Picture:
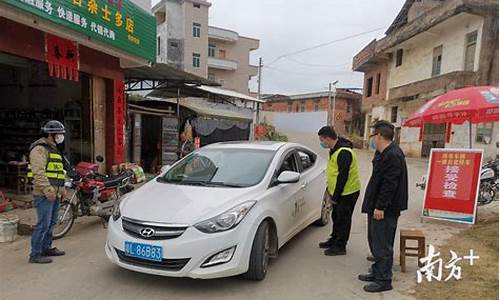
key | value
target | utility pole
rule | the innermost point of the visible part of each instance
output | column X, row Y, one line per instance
column 332, row 89
column 259, row 84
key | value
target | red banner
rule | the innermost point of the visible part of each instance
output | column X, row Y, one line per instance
column 452, row 184
column 62, row 57
column 119, row 118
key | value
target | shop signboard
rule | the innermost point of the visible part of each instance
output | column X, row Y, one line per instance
column 119, row 118
column 119, row 23
column 453, row 184
column 170, row 140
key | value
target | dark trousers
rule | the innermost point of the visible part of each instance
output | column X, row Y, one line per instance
column 46, row 211
column 381, row 236
column 342, row 219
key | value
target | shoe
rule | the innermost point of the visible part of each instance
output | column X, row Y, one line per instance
column 39, row 260
column 333, row 251
column 53, row 252
column 370, row 258
column 377, row 288
column 366, row 277
column 326, row 244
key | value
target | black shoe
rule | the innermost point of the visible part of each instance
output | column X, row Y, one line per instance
column 370, row 258
column 366, row 277
column 53, row 252
column 39, row 260
column 377, row 288
column 327, row 244
column 334, row 251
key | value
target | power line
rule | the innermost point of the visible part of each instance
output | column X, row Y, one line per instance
column 325, row 44
column 317, row 65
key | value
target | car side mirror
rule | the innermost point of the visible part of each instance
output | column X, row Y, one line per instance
column 164, row 169
column 288, row 177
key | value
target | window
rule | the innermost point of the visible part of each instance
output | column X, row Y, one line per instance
column 174, row 44
column 211, row 50
column 470, row 51
column 196, row 60
column 437, row 57
column 348, row 108
column 196, row 5
column 158, row 46
column 222, row 53
column 369, row 86
column 377, row 89
column 399, row 57
column 288, row 164
column 394, row 114
column 484, row 132
column 196, row 29
column 211, row 76
column 307, row 160
column 290, row 106
column 302, row 106
column 316, row 105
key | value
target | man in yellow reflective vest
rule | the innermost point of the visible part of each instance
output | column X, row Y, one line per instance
column 343, row 184
column 47, row 172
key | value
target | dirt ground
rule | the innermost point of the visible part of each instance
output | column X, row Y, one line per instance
column 300, row 272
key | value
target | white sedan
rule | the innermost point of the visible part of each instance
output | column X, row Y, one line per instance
column 223, row 210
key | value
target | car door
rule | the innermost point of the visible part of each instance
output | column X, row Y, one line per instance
column 314, row 185
column 287, row 197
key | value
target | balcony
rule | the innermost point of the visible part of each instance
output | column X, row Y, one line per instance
column 222, row 64
column 432, row 87
column 223, row 35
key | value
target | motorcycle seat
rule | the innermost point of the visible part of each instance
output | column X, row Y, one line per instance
column 114, row 181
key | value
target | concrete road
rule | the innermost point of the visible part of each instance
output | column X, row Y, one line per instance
column 300, row 272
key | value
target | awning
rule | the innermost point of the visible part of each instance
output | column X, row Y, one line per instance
column 227, row 93
column 205, row 109
column 149, row 78
column 201, row 91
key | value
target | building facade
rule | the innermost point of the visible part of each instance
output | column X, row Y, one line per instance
column 430, row 48
column 66, row 60
column 185, row 40
column 346, row 114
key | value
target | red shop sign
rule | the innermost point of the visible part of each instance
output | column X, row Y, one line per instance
column 62, row 57
column 119, row 121
column 453, row 184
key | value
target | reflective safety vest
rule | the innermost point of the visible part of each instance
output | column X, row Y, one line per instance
column 353, row 183
column 54, row 169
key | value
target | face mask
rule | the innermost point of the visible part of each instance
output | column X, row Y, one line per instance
column 59, row 138
column 372, row 144
column 323, row 145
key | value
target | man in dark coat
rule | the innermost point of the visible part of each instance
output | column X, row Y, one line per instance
column 385, row 197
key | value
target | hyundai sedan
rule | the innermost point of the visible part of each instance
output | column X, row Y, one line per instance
column 223, row 210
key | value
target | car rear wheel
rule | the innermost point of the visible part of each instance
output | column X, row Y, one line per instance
column 260, row 255
column 326, row 209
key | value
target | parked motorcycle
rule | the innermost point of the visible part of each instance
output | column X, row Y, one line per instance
column 93, row 194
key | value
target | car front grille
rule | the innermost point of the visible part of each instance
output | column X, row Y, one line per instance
column 136, row 229
column 165, row 264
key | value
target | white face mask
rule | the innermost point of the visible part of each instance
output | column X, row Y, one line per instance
column 59, row 138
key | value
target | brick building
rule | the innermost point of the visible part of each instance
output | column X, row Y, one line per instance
column 347, row 107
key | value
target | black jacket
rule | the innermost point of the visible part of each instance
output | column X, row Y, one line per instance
column 344, row 163
column 388, row 186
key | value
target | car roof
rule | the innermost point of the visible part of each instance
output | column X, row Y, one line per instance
column 264, row 145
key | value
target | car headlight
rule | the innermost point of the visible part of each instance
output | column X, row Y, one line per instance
column 116, row 212
column 227, row 220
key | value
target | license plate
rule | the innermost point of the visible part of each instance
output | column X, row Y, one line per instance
column 144, row 251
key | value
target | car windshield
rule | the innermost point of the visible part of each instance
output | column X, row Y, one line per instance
column 221, row 167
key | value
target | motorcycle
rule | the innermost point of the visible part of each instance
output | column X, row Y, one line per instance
column 93, row 194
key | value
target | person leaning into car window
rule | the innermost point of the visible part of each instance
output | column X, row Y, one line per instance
column 343, row 185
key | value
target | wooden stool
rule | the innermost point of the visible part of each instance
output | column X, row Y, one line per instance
column 411, row 235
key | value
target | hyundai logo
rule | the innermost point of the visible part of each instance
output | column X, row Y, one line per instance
column 147, row 232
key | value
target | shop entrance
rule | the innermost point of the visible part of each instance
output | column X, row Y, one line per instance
column 30, row 97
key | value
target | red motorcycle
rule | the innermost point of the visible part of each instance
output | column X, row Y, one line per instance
column 93, row 194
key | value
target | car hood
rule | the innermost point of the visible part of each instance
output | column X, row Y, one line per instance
column 184, row 204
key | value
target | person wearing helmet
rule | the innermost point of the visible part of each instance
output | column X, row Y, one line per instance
column 47, row 172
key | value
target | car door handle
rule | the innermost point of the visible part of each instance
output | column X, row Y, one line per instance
column 304, row 185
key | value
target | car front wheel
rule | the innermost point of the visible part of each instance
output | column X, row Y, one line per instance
column 259, row 257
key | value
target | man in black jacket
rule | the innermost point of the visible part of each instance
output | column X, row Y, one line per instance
column 342, row 175
column 385, row 197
